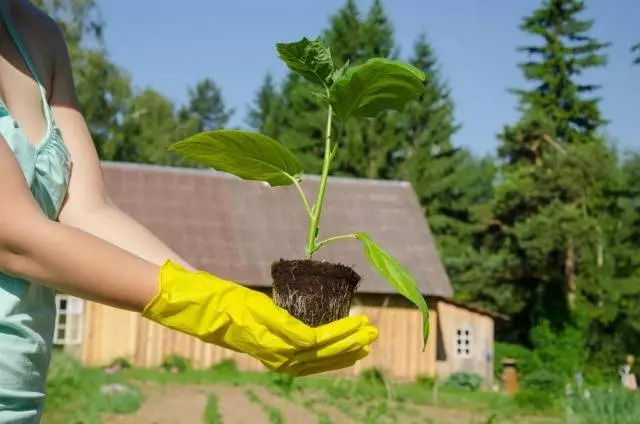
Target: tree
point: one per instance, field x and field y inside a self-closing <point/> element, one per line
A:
<point x="548" y="207"/>
<point x="205" y="109"/>
<point x="557" y="103"/>
<point x="103" y="87"/>
<point x="149" y="127"/>
<point x="636" y="49"/>
<point x="265" y="113"/>
<point x="367" y="147"/>
<point x="452" y="185"/>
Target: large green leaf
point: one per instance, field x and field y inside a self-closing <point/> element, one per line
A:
<point x="375" y="86"/>
<point x="248" y="155"/>
<point x="398" y="277"/>
<point x="311" y="59"/>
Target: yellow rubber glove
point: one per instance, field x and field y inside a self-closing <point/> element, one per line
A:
<point x="237" y="318"/>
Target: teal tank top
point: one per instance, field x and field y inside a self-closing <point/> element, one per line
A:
<point x="28" y="310"/>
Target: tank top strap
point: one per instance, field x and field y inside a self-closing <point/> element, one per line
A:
<point x="5" y="16"/>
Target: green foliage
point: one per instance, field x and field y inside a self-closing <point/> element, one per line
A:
<point x="604" y="405"/>
<point x="284" y="383"/>
<point x="361" y="91"/>
<point x="526" y="359"/>
<point x="464" y="380"/>
<point x="561" y="350"/>
<point x="264" y="115"/>
<point x="175" y="363"/>
<point x="76" y="394"/>
<point x="227" y="368"/>
<point x="212" y="411"/>
<point x="397" y="276"/>
<point x="505" y="231"/>
<point x="310" y="59"/>
<point x="375" y="86"/>
<point x="248" y="155"/>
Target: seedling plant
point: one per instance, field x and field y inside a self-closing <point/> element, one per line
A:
<point x="314" y="291"/>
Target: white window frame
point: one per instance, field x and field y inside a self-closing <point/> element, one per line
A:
<point x="463" y="334"/>
<point x="73" y="324"/>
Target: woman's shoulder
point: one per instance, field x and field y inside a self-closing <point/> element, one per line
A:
<point x="43" y="36"/>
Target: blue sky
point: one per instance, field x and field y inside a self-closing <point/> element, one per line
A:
<point x="170" y="45"/>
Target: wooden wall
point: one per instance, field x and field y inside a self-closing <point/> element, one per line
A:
<point x="453" y="317"/>
<point x="111" y="333"/>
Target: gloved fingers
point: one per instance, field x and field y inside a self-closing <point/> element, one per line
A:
<point x="362" y="337"/>
<point x="330" y="364"/>
<point x="337" y="330"/>
<point x="279" y="322"/>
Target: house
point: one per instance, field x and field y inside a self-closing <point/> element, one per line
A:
<point x="236" y="229"/>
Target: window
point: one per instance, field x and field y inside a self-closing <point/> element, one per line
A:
<point x="69" y="320"/>
<point x="464" y="342"/>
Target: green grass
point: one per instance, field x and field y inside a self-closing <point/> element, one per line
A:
<point x="212" y="411"/>
<point x="323" y="418"/>
<point x="75" y="394"/>
<point x="605" y="405"/>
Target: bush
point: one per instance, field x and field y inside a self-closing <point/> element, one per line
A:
<point x="226" y="368"/>
<point x="425" y="381"/>
<point x="464" y="380"/>
<point x="527" y="361"/>
<point x="175" y="364"/>
<point x="540" y="390"/>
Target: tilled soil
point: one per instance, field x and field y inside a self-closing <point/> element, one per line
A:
<point x="186" y="404"/>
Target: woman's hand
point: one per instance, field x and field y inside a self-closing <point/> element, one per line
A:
<point x="232" y="316"/>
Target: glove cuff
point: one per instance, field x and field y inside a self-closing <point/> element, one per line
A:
<point x="166" y="281"/>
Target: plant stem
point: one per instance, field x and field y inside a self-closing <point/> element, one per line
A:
<point x="319" y="244"/>
<point x="302" y="195"/>
<point x="317" y="207"/>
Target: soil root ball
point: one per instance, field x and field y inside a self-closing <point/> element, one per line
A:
<point x="315" y="292"/>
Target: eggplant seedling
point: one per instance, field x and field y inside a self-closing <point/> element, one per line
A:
<point x="319" y="292"/>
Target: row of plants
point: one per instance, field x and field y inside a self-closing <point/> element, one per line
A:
<point x="79" y="394"/>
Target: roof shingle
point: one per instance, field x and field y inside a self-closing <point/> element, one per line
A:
<point x="235" y="228"/>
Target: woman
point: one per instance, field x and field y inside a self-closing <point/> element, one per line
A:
<point x="59" y="230"/>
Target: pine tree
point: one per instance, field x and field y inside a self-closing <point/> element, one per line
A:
<point x="556" y="107"/>
<point x="452" y="185"/>
<point x="148" y="129"/>
<point x="205" y="108"/>
<point x="616" y="327"/>
<point x="368" y="147"/>
<point x="265" y="113"/>
<point x="547" y="210"/>
<point x="344" y="35"/>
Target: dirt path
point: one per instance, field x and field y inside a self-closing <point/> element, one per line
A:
<point x="291" y="412"/>
<point x="186" y="404"/>
<point x="168" y="405"/>
<point x="235" y="408"/>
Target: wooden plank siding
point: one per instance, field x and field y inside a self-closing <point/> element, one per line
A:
<point x="112" y="333"/>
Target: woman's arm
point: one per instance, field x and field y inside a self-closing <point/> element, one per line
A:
<point x="88" y="205"/>
<point x="65" y="258"/>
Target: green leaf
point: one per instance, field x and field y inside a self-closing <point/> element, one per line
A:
<point x="398" y="277"/>
<point x="375" y="86"/>
<point x="248" y="155"/>
<point x="310" y="59"/>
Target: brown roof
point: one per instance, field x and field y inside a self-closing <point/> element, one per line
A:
<point x="235" y="228"/>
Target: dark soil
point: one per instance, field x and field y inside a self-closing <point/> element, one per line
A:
<point x="315" y="292"/>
